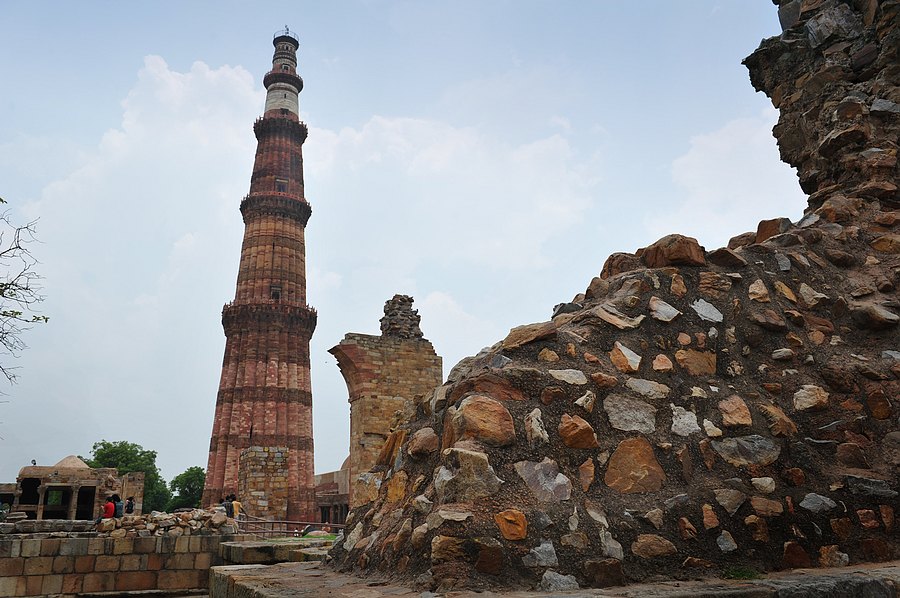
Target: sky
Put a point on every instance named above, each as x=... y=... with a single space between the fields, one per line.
x=484 y=157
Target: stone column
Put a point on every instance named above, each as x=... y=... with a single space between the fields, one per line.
x=40 y=506
x=73 y=501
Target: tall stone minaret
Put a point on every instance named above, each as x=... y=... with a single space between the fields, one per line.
x=265 y=399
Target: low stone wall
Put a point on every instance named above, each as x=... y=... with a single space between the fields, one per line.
x=40 y=565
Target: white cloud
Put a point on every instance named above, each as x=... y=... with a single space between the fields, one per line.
x=731 y=178
x=139 y=252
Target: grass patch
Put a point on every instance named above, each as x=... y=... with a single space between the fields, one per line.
x=741 y=572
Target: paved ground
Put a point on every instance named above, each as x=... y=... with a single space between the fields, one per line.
x=311 y=579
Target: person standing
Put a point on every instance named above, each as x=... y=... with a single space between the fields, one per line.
x=236 y=506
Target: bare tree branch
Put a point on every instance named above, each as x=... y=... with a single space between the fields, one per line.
x=20 y=289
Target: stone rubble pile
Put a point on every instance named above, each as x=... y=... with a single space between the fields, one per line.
x=400 y=319
x=185 y=523
x=692 y=411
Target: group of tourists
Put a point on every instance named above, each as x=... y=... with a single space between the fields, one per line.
x=115 y=507
x=232 y=506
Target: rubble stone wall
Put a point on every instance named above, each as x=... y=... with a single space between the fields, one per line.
x=693 y=412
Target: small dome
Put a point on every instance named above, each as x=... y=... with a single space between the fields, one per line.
x=72 y=462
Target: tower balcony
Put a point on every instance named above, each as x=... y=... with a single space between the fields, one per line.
x=287 y=77
x=267 y=125
x=276 y=204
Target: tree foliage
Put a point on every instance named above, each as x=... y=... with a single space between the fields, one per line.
x=188 y=488
x=20 y=289
x=128 y=457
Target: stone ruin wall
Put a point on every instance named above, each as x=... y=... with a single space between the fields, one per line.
x=693 y=412
x=386 y=377
x=263 y=482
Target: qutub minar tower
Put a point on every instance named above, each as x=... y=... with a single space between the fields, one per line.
x=262 y=439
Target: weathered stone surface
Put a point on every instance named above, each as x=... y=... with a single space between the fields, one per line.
x=512 y=523
x=544 y=480
x=765 y=507
x=630 y=415
x=810 y=397
x=529 y=333
x=633 y=468
x=548 y=355
x=587 y=401
x=779 y=423
x=422 y=443
x=768 y=320
x=438 y=517
x=673 y=250
x=810 y=296
x=707 y=311
x=830 y=556
x=577 y=433
x=586 y=474
x=710 y=519
x=648 y=388
x=662 y=311
x=852 y=455
x=611 y=315
x=485 y=420
x=649 y=546
x=730 y=499
x=765 y=485
x=604 y=381
x=726 y=542
x=769 y=228
x=735 y=412
x=757 y=291
x=535 y=433
x=555 y=582
x=887 y=243
x=684 y=422
x=872 y=316
x=569 y=376
x=696 y=363
x=624 y=359
x=747 y=450
x=661 y=363
x=468 y=477
x=869 y=487
x=726 y=258
x=817 y=503
x=543 y=555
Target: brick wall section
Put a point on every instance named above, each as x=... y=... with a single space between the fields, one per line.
x=37 y=566
x=263 y=482
x=385 y=375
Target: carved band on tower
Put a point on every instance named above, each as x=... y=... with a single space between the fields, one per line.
x=265 y=398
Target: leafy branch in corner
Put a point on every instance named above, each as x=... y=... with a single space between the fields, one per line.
x=20 y=289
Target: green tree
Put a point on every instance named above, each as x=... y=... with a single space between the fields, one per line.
x=128 y=457
x=188 y=488
x=20 y=289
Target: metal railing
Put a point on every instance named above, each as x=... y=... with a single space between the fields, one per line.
x=268 y=528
